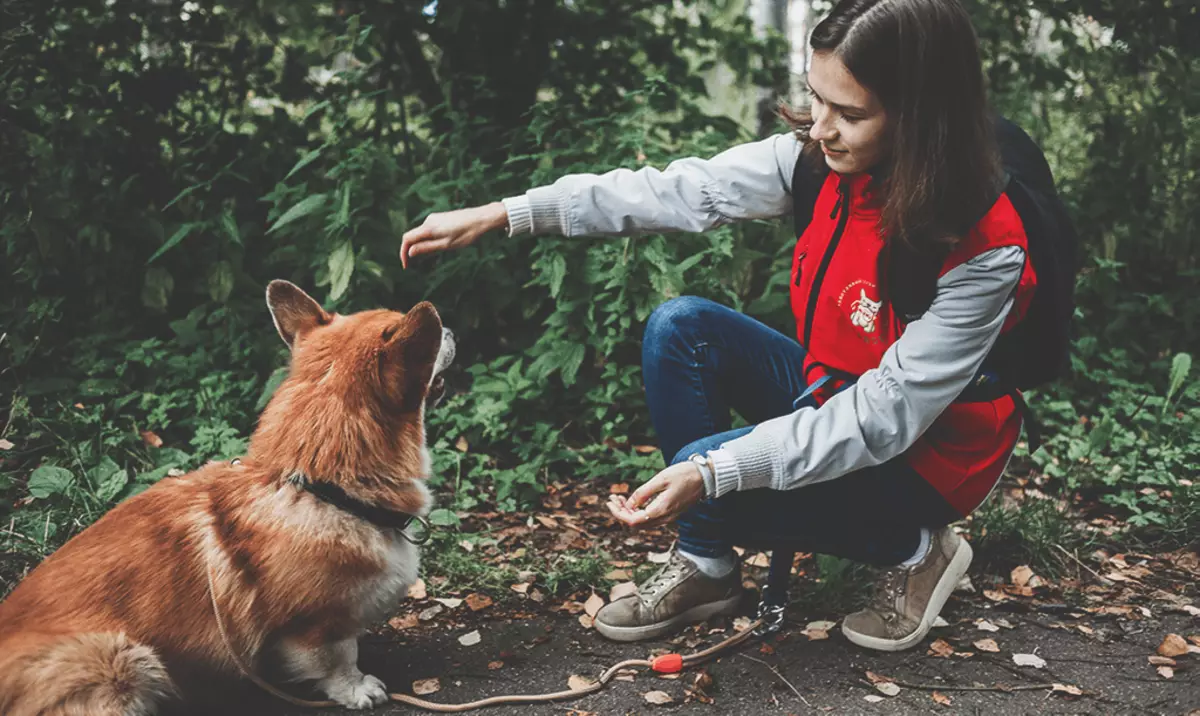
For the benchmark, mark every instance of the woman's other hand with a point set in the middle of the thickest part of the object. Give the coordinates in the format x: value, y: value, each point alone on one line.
x: 661, y: 500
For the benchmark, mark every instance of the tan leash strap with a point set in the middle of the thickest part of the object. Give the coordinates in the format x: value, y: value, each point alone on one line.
x: 667, y: 663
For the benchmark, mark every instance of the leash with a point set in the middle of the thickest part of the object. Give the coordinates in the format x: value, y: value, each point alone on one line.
x: 664, y: 664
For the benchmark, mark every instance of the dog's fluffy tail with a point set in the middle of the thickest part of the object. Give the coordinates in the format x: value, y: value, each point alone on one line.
x: 82, y: 675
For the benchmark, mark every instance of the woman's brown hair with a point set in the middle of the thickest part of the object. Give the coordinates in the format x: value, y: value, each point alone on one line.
x: 921, y: 58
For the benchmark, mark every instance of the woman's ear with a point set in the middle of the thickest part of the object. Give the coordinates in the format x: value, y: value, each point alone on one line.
x: 294, y: 311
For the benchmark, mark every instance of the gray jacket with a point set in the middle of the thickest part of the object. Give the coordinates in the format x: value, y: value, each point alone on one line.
x: 869, y: 423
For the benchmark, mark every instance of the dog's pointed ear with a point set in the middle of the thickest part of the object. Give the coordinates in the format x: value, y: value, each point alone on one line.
x: 409, y: 354
x: 418, y: 337
x: 294, y: 311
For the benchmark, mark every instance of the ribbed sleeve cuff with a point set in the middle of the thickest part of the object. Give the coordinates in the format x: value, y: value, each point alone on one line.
x: 520, y: 218
x: 540, y: 211
x: 746, y: 463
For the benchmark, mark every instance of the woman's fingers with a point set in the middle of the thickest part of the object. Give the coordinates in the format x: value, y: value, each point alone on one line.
x: 643, y: 494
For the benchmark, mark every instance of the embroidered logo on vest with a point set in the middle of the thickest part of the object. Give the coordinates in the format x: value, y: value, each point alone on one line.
x: 863, y: 310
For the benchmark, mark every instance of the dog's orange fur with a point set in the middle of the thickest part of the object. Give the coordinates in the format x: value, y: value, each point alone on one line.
x: 118, y: 620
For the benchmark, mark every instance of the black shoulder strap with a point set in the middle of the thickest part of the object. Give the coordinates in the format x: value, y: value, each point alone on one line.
x: 807, y: 179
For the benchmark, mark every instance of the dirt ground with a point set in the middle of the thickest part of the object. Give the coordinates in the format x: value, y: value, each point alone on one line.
x: 1106, y: 657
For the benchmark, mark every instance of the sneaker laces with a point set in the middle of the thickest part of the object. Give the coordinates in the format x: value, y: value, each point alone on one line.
x: 891, y: 584
x: 670, y: 572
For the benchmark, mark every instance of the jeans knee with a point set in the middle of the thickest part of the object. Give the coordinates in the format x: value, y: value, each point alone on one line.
x: 671, y: 320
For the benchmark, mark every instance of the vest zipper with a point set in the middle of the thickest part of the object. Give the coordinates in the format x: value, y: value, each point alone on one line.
x: 842, y: 212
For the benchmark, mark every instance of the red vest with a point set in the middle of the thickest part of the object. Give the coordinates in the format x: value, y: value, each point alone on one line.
x: 846, y: 328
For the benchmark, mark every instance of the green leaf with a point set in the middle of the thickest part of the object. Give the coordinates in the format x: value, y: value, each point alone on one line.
x: 558, y: 272
x: 231, y: 228
x: 305, y: 160
x: 1180, y: 367
x: 443, y: 518
x: 273, y: 383
x: 303, y: 208
x: 220, y: 281
x: 180, y: 234
x: 316, y: 108
x: 157, y: 288
x: 48, y: 480
x: 572, y: 359
x: 341, y: 267
x: 108, y: 487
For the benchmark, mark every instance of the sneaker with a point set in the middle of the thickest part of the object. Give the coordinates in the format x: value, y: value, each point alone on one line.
x: 907, y: 600
x: 678, y: 595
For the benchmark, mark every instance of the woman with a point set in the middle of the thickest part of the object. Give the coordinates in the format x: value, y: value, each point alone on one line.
x: 861, y: 444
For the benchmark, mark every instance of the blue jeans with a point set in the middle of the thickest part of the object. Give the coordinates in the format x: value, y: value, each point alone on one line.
x: 700, y: 360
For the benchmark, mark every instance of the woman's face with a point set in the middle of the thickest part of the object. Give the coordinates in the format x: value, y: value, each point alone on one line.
x: 848, y: 119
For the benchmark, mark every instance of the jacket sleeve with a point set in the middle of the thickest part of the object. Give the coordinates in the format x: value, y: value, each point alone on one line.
x: 889, y: 407
x: 749, y: 181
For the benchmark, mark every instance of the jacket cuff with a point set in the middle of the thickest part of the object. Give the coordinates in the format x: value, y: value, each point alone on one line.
x: 746, y: 463
x: 520, y: 217
x: 540, y: 211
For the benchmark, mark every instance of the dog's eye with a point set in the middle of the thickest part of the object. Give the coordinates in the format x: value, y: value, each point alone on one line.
x: 388, y: 333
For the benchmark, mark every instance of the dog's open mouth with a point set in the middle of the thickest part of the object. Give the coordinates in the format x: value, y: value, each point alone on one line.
x: 437, y: 390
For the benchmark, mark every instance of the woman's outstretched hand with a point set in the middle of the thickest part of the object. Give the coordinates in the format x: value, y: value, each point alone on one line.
x: 452, y: 230
x: 669, y: 493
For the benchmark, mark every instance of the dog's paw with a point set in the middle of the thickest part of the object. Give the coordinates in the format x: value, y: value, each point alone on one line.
x: 358, y: 691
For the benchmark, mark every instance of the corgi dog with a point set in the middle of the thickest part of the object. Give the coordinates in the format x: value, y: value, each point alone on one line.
x: 301, y: 541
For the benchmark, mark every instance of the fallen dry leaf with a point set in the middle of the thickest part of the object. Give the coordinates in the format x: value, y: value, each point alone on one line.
x: 522, y: 588
x: 547, y: 522
x: 424, y: 687
x: 461, y: 444
x: 149, y: 438
x: 593, y: 604
x: 471, y: 638
x: 1033, y: 660
x: 995, y: 596
x: 1166, y: 672
x: 1067, y: 689
x: 467, y: 545
x: 475, y: 602
x: 620, y: 488
x: 878, y: 678
x: 657, y: 697
x: 1193, y: 610
x: 618, y: 575
x: 417, y: 590
x: 587, y: 621
x: 873, y: 698
x: 940, y: 622
x: 888, y: 688
x: 941, y: 698
x: 431, y: 612
x: 1173, y: 645
x: 1157, y: 660
x: 644, y: 449
x: 940, y: 648
x: 659, y: 557
x: 1195, y: 640
x: 449, y: 602
x: 400, y: 623
x: 579, y: 683
x: 493, y: 665
x: 821, y: 625
x: 6, y: 445
x: 622, y: 590
x: 1021, y: 575
x: 741, y: 623
x: 760, y: 560
x: 988, y: 645
x: 815, y: 634
x: 985, y: 625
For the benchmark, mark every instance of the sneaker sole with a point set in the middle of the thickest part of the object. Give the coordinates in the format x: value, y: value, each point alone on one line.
x: 945, y: 587
x: 653, y: 631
